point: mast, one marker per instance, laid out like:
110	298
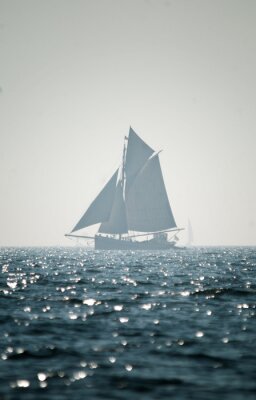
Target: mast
123	177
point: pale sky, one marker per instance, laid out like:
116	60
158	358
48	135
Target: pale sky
75	74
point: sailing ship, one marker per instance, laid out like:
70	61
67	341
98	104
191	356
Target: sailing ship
190	236
133	208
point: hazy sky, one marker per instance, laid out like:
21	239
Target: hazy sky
75	74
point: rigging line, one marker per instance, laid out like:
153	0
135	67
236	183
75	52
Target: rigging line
152	233
79	236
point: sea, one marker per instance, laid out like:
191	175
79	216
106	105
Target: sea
81	324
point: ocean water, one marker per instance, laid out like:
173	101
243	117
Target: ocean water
78	324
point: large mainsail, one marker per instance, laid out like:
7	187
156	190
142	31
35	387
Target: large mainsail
147	204
101	207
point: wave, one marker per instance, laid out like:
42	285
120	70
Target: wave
224	291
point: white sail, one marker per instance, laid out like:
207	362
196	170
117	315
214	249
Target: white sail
190	236
117	222
101	207
137	154
147	204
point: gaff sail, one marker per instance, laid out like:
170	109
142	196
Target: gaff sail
147	204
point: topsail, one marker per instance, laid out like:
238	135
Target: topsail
137	154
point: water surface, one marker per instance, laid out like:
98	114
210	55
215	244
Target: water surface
119	325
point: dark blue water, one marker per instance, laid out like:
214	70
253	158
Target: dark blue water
78	324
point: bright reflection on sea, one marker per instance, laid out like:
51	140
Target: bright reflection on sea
115	325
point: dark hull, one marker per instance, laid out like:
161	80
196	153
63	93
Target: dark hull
106	243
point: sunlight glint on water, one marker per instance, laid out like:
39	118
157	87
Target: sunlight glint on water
106	325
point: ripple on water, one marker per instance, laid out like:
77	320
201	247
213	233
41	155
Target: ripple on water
116	325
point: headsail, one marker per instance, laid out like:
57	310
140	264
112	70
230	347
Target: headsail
101	207
117	222
147	204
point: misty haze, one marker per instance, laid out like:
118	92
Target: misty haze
128	199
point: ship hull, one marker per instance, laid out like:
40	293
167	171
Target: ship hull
107	243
